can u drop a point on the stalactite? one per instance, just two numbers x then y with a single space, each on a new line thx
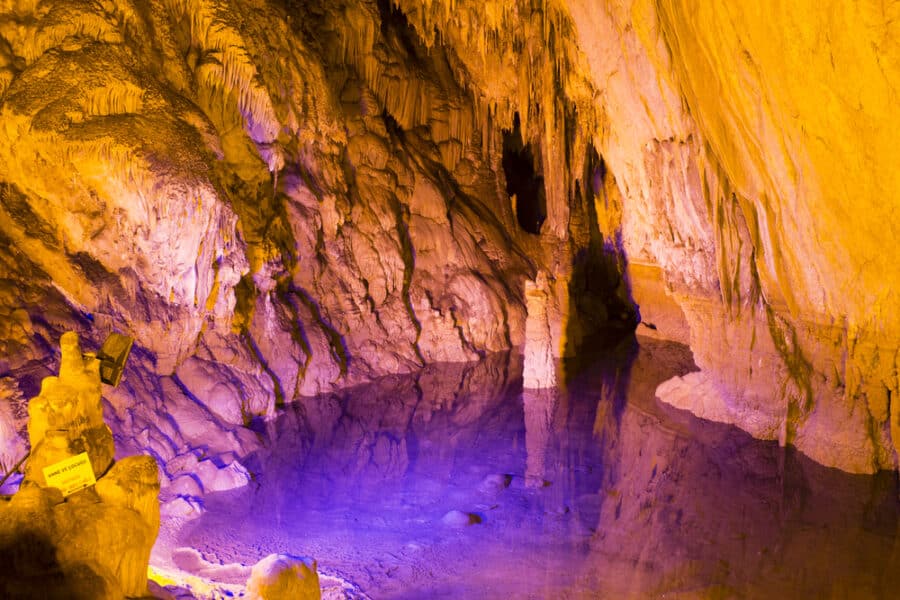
114 99
61 22
215 31
541 80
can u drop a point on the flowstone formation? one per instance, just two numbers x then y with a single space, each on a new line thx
753 155
745 171
93 542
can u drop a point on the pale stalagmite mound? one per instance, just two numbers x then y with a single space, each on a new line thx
283 576
95 542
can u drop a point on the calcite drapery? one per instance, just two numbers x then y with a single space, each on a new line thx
754 176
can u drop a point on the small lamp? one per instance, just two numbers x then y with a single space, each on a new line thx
113 355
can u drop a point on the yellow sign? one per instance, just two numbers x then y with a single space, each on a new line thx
70 475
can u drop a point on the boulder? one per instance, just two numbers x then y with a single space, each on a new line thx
280 576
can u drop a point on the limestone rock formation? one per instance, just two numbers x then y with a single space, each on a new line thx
274 202
736 141
280 199
13 419
67 417
283 576
541 354
96 542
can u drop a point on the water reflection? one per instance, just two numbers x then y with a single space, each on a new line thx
596 490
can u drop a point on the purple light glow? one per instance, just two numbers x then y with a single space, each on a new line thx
454 483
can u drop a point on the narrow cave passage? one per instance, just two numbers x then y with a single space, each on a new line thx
522 181
599 291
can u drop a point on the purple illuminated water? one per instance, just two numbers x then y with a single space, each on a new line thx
596 491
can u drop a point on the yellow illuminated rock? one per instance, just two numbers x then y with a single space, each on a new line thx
94 543
753 148
280 576
67 417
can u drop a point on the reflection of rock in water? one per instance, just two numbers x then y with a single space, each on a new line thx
539 406
376 430
641 500
702 508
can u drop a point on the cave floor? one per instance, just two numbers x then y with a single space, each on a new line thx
456 483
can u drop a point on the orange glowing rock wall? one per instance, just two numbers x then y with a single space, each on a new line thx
275 201
753 149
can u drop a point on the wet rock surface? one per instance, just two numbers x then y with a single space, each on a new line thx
274 201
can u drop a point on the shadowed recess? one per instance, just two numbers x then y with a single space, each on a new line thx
522 181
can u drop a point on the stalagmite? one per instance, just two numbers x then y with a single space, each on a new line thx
76 532
67 417
280 576
540 359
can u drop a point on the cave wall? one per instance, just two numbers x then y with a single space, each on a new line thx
751 149
275 200
280 198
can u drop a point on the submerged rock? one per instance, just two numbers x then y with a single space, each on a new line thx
458 518
494 484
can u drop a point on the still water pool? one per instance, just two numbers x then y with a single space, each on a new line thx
456 483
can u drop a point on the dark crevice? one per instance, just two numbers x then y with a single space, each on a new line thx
254 349
17 206
799 405
523 181
245 293
393 127
600 298
395 25
337 345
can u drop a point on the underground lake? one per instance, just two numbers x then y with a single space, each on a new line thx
454 482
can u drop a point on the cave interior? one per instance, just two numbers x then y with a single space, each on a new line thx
429 298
